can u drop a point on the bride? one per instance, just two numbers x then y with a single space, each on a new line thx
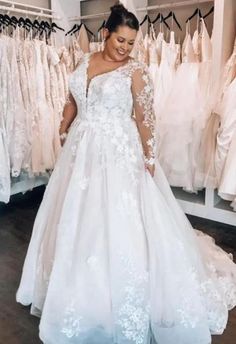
112 258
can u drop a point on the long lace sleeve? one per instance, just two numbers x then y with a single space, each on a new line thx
142 90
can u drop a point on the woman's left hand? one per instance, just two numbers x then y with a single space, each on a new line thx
150 169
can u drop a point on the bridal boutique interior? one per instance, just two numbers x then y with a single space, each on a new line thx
190 49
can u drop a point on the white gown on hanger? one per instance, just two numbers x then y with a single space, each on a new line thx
165 76
200 124
18 145
227 187
5 86
176 130
112 258
153 58
225 134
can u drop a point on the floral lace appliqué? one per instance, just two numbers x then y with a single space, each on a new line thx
72 326
133 314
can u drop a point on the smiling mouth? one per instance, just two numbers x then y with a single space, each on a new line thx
121 52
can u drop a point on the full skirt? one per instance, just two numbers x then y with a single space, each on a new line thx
113 258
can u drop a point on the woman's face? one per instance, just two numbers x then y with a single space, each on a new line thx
120 43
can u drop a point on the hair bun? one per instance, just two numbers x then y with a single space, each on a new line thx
120 16
118 8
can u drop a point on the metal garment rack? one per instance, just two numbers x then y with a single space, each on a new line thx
90 16
142 9
11 6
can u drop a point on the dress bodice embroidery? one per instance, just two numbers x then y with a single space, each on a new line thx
99 100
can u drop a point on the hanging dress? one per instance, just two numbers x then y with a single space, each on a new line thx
83 39
153 58
18 144
176 139
226 130
5 87
45 116
205 148
165 76
227 186
201 123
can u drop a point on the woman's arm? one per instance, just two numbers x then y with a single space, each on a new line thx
142 91
69 113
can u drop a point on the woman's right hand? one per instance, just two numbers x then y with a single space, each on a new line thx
63 136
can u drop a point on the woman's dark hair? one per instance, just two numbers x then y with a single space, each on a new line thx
120 16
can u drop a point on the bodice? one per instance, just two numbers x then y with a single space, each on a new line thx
110 102
107 95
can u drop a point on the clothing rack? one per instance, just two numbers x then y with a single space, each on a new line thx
28 183
11 6
147 8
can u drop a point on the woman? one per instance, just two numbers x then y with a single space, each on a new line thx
112 258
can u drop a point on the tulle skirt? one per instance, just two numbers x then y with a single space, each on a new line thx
113 259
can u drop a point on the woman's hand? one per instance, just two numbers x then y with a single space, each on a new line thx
150 169
69 113
62 141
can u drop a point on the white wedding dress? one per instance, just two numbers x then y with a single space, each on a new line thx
112 258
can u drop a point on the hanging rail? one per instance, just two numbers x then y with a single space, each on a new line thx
172 5
147 8
26 6
11 6
89 16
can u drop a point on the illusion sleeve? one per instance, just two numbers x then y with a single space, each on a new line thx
142 91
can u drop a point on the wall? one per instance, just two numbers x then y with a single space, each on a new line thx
92 7
65 9
38 3
223 35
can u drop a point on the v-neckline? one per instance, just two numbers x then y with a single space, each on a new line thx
88 80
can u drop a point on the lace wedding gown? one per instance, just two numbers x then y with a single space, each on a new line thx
112 258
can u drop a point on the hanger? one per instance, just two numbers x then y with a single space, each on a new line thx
162 20
48 29
157 18
102 26
36 24
86 28
146 18
196 12
6 19
172 14
28 23
54 25
208 13
2 22
14 20
21 22
75 27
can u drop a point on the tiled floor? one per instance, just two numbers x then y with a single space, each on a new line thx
17 326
